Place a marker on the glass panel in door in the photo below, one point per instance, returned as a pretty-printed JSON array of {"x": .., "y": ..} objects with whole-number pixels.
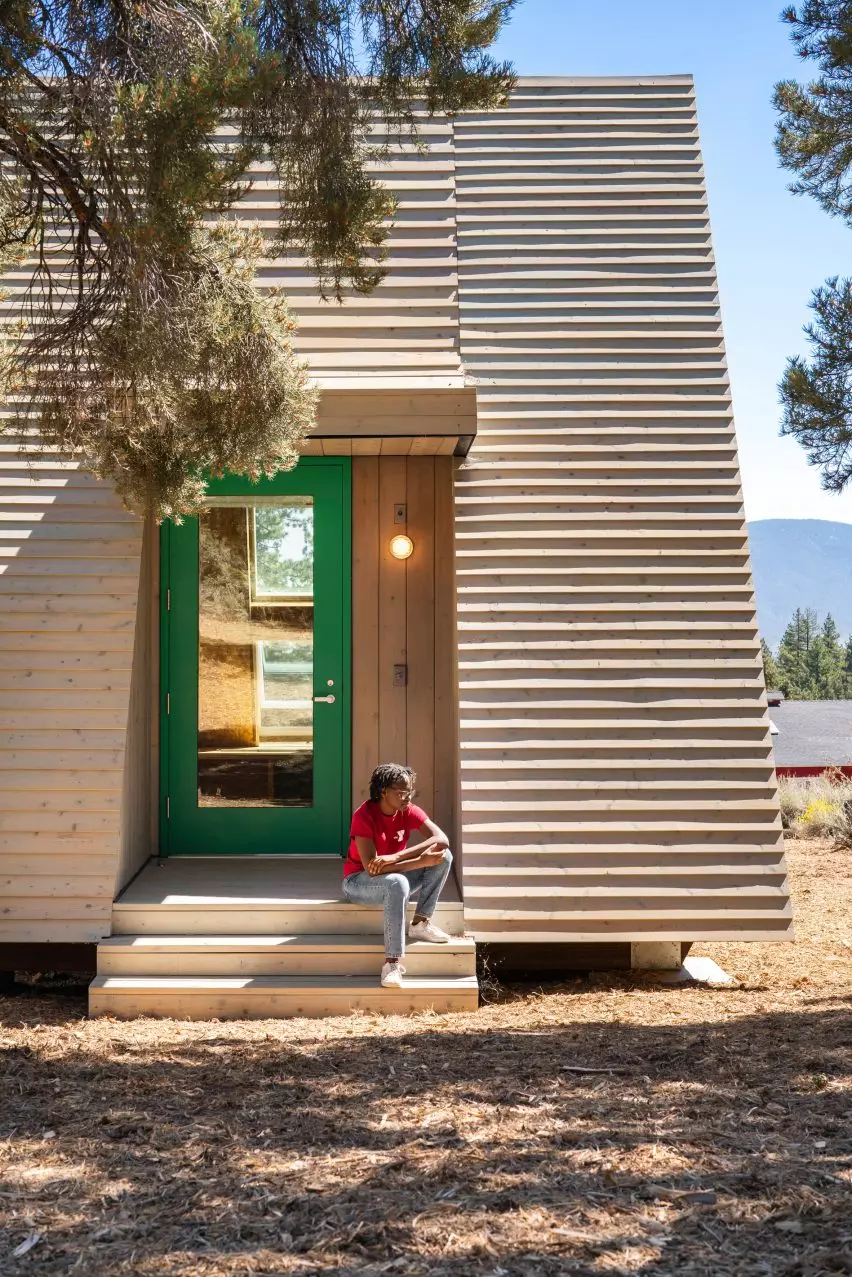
[{"x": 256, "y": 655}]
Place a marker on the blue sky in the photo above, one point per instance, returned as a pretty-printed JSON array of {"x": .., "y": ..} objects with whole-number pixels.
[{"x": 772, "y": 248}]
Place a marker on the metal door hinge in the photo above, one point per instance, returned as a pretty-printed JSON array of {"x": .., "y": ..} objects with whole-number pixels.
[
  {"x": 168, "y": 702},
  {"x": 168, "y": 600},
  {"x": 168, "y": 807}
]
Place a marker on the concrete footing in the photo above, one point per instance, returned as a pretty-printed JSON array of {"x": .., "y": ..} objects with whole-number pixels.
[{"x": 655, "y": 955}]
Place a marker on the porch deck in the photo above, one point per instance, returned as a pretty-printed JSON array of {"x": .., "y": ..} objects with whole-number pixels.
[
  {"x": 253, "y": 894},
  {"x": 237, "y": 937}
]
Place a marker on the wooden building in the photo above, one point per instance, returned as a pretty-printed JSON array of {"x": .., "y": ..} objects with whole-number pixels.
[{"x": 537, "y": 397}]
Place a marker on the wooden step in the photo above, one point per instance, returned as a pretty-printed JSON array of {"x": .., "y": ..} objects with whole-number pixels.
[
  {"x": 268, "y": 997},
  {"x": 251, "y": 896},
  {"x": 301, "y": 917},
  {"x": 275, "y": 955}
]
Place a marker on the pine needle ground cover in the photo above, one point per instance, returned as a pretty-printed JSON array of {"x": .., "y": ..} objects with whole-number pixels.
[{"x": 711, "y": 1134}]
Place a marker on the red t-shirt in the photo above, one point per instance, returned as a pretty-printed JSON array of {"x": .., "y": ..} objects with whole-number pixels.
[{"x": 389, "y": 833}]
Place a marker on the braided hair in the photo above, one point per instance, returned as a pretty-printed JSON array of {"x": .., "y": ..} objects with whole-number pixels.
[{"x": 389, "y": 776}]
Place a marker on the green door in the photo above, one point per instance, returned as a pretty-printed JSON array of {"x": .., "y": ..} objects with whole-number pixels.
[{"x": 255, "y": 626}]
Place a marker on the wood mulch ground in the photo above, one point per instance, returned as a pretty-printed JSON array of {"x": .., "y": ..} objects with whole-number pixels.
[{"x": 718, "y": 1142}]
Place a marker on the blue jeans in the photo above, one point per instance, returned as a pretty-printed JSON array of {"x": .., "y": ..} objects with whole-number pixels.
[{"x": 392, "y": 891}]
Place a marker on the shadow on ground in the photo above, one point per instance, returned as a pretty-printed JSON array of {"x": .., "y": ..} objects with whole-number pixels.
[{"x": 436, "y": 1147}]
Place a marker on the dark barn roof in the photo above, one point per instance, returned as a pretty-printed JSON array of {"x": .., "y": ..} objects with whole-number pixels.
[{"x": 812, "y": 733}]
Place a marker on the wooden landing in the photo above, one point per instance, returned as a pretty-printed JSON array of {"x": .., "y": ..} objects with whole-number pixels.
[
  {"x": 253, "y": 895},
  {"x": 233, "y": 938}
]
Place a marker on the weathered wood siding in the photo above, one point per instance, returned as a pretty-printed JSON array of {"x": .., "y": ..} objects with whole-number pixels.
[
  {"x": 403, "y": 613},
  {"x": 405, "y": 335},
  {"x": 68, "y": 589},
  {"x": 617, "y": 780}
]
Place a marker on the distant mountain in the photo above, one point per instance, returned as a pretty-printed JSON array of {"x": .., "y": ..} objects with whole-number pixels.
[{"x": 801, "y": 563}]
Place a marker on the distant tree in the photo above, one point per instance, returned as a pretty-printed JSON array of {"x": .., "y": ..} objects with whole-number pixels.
[
  {"x": 793, "y": 650},
  {"x": 812, "y": 662},
  {"x": 771, "y": 672},
  {"x": 825, "y": 662},
  {"x": 144, "y": 346},
  {"x": 814, "y": 140}
]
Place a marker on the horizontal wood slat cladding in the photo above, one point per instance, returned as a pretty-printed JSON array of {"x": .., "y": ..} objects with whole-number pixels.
[
  {"x": 405, "y": 335},
  {"x": 616, "y": 763},
  {"x": 71, "y": 559},
  {"x": 403, "y": 613},
  {"x": 617, "y": 776}
]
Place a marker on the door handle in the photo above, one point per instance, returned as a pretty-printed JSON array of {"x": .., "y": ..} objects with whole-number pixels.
[{"x": 324, "y": 700}]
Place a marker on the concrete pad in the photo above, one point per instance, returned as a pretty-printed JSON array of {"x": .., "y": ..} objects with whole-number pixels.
[{"x": 695, "y": 970}]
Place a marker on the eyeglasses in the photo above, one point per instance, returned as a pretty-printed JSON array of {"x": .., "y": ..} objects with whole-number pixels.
[{"x": 403, "y": 793}]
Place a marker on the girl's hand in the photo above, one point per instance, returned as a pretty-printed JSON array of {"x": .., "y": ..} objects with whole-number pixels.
[{"x": 433, "y": 857}]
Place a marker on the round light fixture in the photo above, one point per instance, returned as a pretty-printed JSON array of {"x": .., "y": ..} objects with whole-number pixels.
[{"x": 401, "y": 547}]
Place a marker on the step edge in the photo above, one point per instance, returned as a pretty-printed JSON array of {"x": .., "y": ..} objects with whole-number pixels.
[
  {"x": 305, "y": 943},
  {"x": 266, "y": 984}
]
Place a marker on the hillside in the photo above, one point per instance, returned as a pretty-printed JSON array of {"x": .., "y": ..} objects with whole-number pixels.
[{"x": 801, "y": 563}]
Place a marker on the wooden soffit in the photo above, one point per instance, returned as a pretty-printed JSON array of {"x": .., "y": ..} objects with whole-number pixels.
[{"x": 424, "y": 419}]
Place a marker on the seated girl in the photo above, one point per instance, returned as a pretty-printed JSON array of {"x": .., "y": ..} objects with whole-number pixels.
[{"x": 382, "y": 869}]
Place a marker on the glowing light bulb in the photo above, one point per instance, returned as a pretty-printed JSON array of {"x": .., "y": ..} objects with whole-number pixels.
[{"x": 401, "y": 547}]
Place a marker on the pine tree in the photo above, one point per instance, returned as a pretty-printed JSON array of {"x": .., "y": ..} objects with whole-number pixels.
[
  {"x": 814, "y": 128},
  {"x": 825, "y": 662},
  {"x": 796, "y": 642},
  {"x": 150, "y": 355},
  {"x": 771, "y": 672}
]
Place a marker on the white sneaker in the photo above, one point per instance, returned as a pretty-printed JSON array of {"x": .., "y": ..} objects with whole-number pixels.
[
  {"x": 427, "y": 931},
  {"x": 392, "y": 973}
]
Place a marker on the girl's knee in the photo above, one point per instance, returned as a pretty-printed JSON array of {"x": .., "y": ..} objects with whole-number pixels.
[
  {"x": 448, "y": 856},
  {"x": 397, "y": 885}
]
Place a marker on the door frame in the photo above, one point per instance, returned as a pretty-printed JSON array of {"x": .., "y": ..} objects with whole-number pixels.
[{"x": 237, "y": 482}]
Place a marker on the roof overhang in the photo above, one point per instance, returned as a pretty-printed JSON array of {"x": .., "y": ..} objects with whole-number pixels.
[{"x": 416, "y": 416}]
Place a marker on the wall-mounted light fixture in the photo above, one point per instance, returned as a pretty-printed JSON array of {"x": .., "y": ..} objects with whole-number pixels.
[{"x": 401, "y": 547}]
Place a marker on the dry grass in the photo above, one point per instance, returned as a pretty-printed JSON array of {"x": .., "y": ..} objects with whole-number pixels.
[
  {"x": 719, "y": 1144},
  {"x": 818, "y": 806}
]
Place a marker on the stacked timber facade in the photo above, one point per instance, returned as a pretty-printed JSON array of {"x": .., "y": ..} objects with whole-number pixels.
[
  {"x": 618, "y": 780},
  {"x": 540, "y": 382}
]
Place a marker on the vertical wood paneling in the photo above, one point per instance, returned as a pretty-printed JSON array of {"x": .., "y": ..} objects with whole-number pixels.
[
  {"x": 446, "y": 659},
  {"x": 140, "y": 794},
  {"x": 393, "y": 635},
  {"x": 412, "y": 621},
  {"x": 365, "y": 623},
  {"x": 420, "y": 626}
]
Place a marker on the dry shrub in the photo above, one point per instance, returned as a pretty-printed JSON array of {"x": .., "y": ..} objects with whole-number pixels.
[{"x": 818, "y": 806}]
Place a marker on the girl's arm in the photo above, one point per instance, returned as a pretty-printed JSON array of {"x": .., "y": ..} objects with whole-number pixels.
[
  {"x": 426, "y": 854},
  {"x": 419, "y": 855},
  {"x": 433, "y": 837}
]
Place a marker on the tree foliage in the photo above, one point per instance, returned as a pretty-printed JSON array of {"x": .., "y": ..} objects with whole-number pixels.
[
  {"x": 771, "y": 673},
  {"x": 817, "y": 396},
  {"x": 812, "y": 662},
  {"x": 814, "y": 140},
  {"x": 146, "y": 354}
]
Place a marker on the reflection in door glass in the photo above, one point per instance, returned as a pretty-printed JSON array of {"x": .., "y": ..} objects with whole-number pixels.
[{"x": 256, "y": 655}]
